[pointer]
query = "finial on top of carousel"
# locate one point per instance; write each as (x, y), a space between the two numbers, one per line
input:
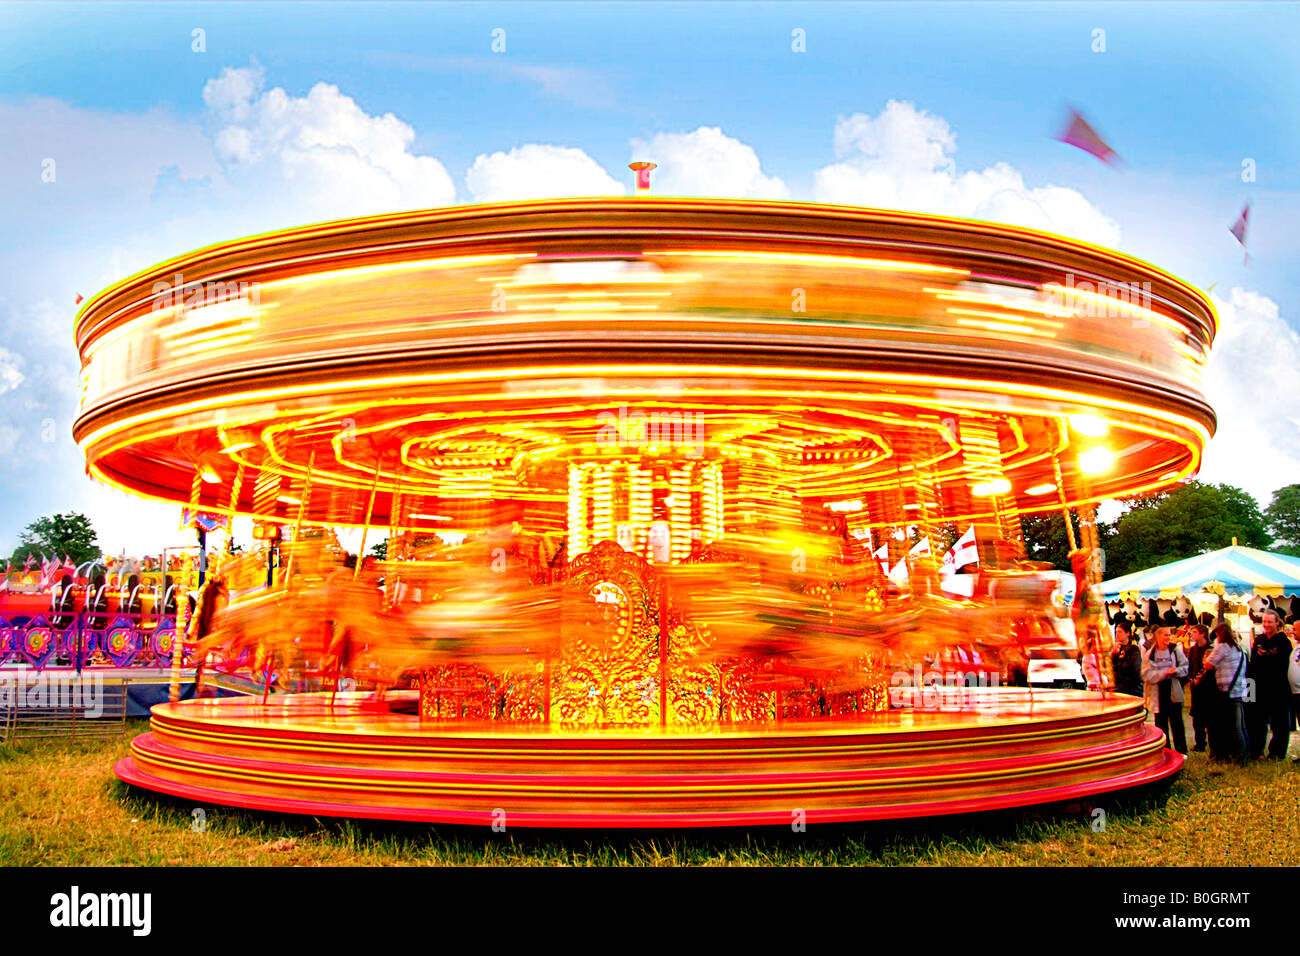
(642, 170)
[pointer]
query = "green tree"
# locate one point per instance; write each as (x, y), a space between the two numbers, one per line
(380, 550)
(1046, 538)
(55, 536)
(1284, 515)
(1187, 521)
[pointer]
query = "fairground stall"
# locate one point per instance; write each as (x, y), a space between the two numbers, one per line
(673, 493)
(1233, 584)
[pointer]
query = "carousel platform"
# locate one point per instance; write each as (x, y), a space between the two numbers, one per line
(356, 757)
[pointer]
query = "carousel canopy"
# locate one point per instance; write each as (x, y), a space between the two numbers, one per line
(1236, 569)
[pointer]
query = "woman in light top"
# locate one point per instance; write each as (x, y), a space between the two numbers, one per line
(1164, 668)
(1228, 662)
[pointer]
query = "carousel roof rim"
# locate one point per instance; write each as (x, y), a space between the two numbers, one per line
(1167, 398)
(363, 225)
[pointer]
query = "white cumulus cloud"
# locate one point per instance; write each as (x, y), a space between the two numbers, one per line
(319, 154)
(707, 162)
(1253, 384)
(903, 159)
(537, 171)
(10, 376)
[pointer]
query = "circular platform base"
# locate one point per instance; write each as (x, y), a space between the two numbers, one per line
(1006, 748)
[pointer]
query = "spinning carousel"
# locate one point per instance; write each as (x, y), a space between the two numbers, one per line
(665, 485)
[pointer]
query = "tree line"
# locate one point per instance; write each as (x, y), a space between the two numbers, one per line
(1182, 522)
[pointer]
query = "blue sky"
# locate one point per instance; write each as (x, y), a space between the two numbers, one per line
(1184, 93)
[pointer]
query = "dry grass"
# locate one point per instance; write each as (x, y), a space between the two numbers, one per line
(61, 805)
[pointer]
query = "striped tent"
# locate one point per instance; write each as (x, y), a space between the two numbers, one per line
(1233, 571)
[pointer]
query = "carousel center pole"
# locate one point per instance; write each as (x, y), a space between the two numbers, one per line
(178, 634)
(183, 602)
(370, 512)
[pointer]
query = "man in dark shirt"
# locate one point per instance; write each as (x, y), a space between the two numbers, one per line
(1201, 700)
(1271, 711)
(1126, 660)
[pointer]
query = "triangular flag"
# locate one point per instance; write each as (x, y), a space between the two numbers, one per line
(899, 574)
(921, 547)
(1238, 228)
(1079, 132)
(79, 299)
(962, 553)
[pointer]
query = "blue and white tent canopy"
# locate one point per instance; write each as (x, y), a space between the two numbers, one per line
(1233, 571)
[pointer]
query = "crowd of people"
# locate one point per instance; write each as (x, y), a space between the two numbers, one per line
(1244, 700)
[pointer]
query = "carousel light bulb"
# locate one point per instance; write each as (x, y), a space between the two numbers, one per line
(990, 488)
(1042, 489)
(210, 476)
(1094, 461)
(1089, 425)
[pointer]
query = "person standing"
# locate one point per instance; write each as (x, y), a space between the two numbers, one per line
(1270, 715)
(1228, 735)
(1293, 676)
(1126, 661)
(1202, 701)
(1163, 669)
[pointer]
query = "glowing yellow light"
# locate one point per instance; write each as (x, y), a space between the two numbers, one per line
(289, 500)
(210, 476)
(845, 506)
(950, 295)
(886, 265)
(1089, 425)
(1041, 489)
(1094, 461)
(237, 446)
(1001, 327)
(994, 486)
(1168, 476)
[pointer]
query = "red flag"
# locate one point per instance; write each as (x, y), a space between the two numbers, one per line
(962, 553)
(78, 298)
(1238, 228)
(1079, 132)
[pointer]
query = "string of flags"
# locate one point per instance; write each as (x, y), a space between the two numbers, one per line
(1076, 131)
(962, 553)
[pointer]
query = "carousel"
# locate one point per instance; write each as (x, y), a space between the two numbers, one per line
(666, 488)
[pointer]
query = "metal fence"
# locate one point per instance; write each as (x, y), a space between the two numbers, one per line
(45, 706)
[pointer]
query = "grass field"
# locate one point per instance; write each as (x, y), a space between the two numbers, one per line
(61, 805)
